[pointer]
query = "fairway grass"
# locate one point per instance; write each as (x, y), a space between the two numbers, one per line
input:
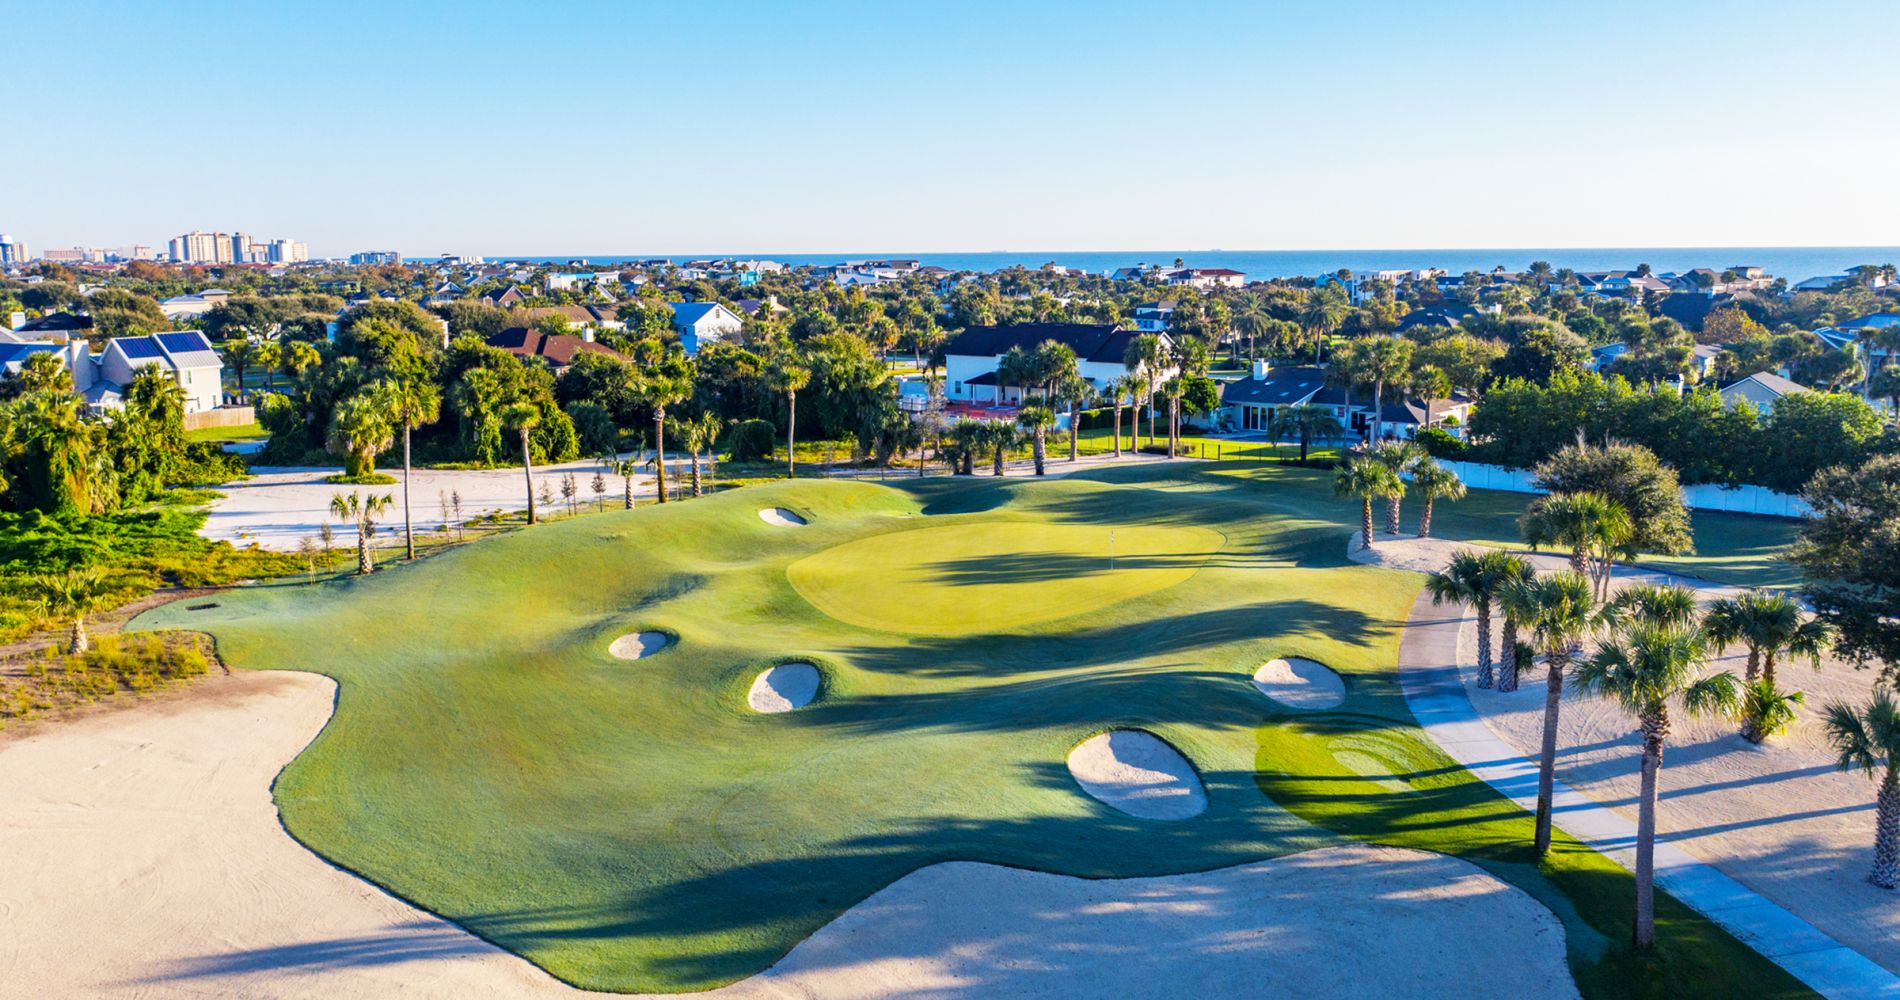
(644, 829)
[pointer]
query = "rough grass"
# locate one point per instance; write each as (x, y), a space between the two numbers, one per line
(634, 826)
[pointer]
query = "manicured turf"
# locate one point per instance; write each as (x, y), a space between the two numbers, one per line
(960, 579)
(632, 825)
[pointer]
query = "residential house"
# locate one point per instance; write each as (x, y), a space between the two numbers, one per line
(1207, 277)
(1250, 404)
(971, 357)
(1153, 317)
(1450, 317)
(194, 304)
(505, 298)
(557, 349)
(444, 293)
(593, 316)
(58, 327)
(1760, 389)
(751, 307)
(13, 355)
(101, 378)
(702, 323)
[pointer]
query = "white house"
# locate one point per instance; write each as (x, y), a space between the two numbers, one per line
(194, 304)
(1207, 277)
(702, 323)
(1250, 404)
(1153, 317)
(1761, 389)
(101, 378)
(970, 359)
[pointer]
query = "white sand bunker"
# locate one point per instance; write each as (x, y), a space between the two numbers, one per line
(1138, 773)
(781, 517)
(635, 645)
(783, 688)
(1300, 683)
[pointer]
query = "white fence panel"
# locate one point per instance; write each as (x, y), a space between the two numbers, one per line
(1705, 496)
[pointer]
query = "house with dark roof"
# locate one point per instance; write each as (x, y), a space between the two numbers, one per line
(971, 358)
(1152, 317)
(58, 327)
(1253, 403)
(506, 298)
(557, 349)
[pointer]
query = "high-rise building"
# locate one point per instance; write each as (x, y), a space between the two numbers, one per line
(286, 252)
(12, 254)
(376, 257)
(241, 248)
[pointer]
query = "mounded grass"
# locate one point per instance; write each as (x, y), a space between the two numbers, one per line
(633, 825)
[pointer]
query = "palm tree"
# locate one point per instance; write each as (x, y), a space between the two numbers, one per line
(1866, 739)
(72, 596)
(1510, 573)
(1365, 478)
(999, 436)
(697, 433)
(1308, 422)
(1037, 419)
(968, 435)
(662, 388)
(524, 418)
(790, 378)
(1560, 612)
(414, 402)
(1433, 481)
(1771, 625)
(362, 511)
(1143, 359)
(625, 468)
(361, 427)
(1656, 657)
(1468, 579)
(1595, 528)
(1655, 603)
(1766, 710)
(1252, 318)
(1385, 361)
(1117, 390)
(1401, 457)
(1076, 391)
(1188, 357)
(1326, 307)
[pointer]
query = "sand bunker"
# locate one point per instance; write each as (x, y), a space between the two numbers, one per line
(1138, 773)
(783, 688)
(635, 645)
(781, 517)
(1300, 683)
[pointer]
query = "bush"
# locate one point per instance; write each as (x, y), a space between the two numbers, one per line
(751, 441)
(367, 479)
(1441, 443)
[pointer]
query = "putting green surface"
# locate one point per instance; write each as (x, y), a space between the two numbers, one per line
(961, 579)
(633, 825)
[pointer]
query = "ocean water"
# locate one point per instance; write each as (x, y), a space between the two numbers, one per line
(1794, 263)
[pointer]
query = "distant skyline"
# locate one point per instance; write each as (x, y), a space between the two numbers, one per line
(597, 129)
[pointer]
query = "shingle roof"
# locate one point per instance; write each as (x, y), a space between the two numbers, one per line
(558, 349)
(1281, 387)
(1090, 341)
(59, 322)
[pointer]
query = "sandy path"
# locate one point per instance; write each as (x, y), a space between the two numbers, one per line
(144, 858)
(278, 507)
(1779, 818)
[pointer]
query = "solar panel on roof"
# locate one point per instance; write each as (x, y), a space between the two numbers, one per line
(140, 347)
(184, 341)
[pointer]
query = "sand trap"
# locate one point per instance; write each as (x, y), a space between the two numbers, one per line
(783, 688)
(1138, 773)
(780, 517)
(1300, 683)
(635, 645)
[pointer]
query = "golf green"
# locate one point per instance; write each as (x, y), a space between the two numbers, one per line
(635, 825)
(960, 579)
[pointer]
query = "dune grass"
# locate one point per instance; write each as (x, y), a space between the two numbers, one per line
(633, 825)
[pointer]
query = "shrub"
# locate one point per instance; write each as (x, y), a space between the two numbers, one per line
(1440, 443)
(751, 441)
(1766, 711)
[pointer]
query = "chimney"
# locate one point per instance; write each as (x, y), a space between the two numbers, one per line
(587, 334)
(1260, 367)
(16, 321)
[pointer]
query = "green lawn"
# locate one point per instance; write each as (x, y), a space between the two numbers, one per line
(239, 432)
(631, 825)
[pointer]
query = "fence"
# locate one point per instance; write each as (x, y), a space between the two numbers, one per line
(1705, 496)
(223, 416)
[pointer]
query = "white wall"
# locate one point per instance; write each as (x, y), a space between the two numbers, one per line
(1705, 496)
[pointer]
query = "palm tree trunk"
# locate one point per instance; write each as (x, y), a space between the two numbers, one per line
(626, 483)
(1392, 512)
(364, 566)
(1075, 434)
(1547, 764)
(1886, 872)
(1484, 642)
(1118, 427)
(1754, 663)
(659, 451)
(1507, 656)
(408, 526)
(1654, 725)
(1425, 518)
(1365, 528)
(695, 471)
(1378, 411)
(78, 643)
(1174, 424)
(527, 473)
(1768, 667)
(1040, 449)
(996, 468)
(791, 433)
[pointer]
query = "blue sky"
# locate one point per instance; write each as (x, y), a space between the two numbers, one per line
(757, 127)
